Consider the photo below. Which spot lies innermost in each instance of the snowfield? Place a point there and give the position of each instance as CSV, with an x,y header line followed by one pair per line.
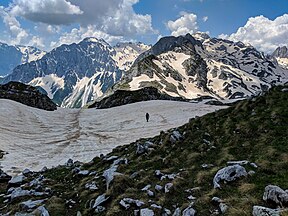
x,y
36,138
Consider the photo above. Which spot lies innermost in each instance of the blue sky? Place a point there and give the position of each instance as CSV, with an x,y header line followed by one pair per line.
x,y
49,23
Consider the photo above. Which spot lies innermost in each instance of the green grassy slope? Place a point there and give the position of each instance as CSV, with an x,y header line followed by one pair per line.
x,y
255,130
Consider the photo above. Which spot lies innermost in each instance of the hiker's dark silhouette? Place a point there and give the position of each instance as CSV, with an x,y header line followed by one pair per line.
x,y
147,117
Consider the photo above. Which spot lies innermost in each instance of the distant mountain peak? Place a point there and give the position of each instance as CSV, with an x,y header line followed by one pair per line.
x,y
281,52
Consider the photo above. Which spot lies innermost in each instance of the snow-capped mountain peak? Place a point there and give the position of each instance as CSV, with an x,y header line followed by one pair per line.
x,y
14,55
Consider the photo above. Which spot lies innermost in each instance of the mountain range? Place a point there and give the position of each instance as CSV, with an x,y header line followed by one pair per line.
x,y
12,56
189,66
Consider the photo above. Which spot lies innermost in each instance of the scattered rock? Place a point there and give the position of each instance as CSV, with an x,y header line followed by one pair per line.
x,y
146,187
99,200
83,173
91,186
146,212
150,193
69,163
17,180
263,211
163,176
138,203
167,187
158,188
223,208
30,204
156,206
189,211
124,204
230,173
4,177
177,212
276,195
44,169
143,148
26,172
100,209
175,136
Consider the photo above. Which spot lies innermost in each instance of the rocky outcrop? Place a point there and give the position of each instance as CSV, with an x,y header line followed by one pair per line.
x,y
281,52
276,195
27,95
122,97
228,174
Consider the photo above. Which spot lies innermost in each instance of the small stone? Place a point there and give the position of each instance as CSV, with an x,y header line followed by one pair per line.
x,y
146,187
189,212
158,188
124,204
83,173
17,180
69,163
26,172
223,208
146,212
167,187
150,193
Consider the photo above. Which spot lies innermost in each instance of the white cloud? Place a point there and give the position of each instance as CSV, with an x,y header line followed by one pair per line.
x,y
17,34
46,11
76,35
109,19
263,33
205,18
187,23
37,42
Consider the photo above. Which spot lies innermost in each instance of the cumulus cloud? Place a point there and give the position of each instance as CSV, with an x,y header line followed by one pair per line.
x,y
109,19
263,33
17,34
37,41
76,35
187,23
46,11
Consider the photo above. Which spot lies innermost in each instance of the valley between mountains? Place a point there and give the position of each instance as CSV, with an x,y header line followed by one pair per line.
x,y
36,138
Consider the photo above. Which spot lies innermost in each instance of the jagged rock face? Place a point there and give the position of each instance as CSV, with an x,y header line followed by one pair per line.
x,y
197,66
27,95
122,97
72,74
281,56
281,52
12,56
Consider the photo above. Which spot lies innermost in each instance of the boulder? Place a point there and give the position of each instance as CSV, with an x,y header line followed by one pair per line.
x,y
263,211
4,177
91,186
146,212
27,172
99,200
30,204
177,212
189,211
143,148
228,174
167,187
276,195
83,173
17,180
175,136
138,203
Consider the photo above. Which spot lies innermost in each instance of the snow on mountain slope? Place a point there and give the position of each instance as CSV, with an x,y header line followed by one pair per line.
x,y
50,83
281,56
35,138
126,53
12,56
87,69
202,66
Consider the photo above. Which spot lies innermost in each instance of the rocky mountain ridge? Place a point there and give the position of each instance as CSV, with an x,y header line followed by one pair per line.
x,y
12,56
188,67
27,95
72,75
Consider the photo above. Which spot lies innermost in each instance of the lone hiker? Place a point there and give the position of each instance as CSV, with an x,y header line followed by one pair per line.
x,y
147,117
